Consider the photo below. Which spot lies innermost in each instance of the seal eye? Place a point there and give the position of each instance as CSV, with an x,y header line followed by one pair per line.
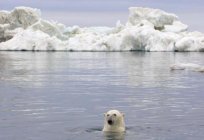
x,y
108,114
114,115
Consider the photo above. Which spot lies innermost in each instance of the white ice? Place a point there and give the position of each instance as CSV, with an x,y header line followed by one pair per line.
x,y
146,30
187,66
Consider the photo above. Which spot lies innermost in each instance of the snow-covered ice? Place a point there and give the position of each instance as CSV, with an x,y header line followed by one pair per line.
x,y
146,30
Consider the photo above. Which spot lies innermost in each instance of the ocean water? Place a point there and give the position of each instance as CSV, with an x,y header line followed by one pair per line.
x,y
63,95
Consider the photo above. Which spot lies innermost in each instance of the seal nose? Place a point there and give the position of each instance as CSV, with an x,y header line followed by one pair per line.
x,y
110,122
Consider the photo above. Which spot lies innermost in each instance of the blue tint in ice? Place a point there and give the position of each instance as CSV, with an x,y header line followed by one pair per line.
x,y
146,30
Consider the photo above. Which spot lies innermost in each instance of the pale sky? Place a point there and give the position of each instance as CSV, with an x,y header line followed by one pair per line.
x,y
107,12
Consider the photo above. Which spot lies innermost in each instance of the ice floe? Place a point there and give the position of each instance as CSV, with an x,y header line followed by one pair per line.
x,y
146,30
187,66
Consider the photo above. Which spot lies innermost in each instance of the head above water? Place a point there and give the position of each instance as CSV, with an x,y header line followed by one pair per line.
x,y
114,121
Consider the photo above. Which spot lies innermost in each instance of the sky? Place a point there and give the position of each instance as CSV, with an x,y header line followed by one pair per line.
x,y
108,12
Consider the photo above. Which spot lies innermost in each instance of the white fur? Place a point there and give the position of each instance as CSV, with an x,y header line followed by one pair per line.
x,y
117,118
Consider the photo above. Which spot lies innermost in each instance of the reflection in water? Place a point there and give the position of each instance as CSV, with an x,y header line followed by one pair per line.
x,y
114,136
136,69
58,95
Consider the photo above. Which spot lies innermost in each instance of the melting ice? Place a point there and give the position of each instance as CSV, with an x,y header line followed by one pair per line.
x,y
146,30
187,66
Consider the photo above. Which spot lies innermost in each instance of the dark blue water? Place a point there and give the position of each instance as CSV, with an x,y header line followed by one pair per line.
x,y
63,95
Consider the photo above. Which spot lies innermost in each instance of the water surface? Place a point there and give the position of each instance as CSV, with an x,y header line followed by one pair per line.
x,y
63,95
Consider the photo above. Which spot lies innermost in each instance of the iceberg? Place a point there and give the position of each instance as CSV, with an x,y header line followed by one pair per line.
x,y
147,29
